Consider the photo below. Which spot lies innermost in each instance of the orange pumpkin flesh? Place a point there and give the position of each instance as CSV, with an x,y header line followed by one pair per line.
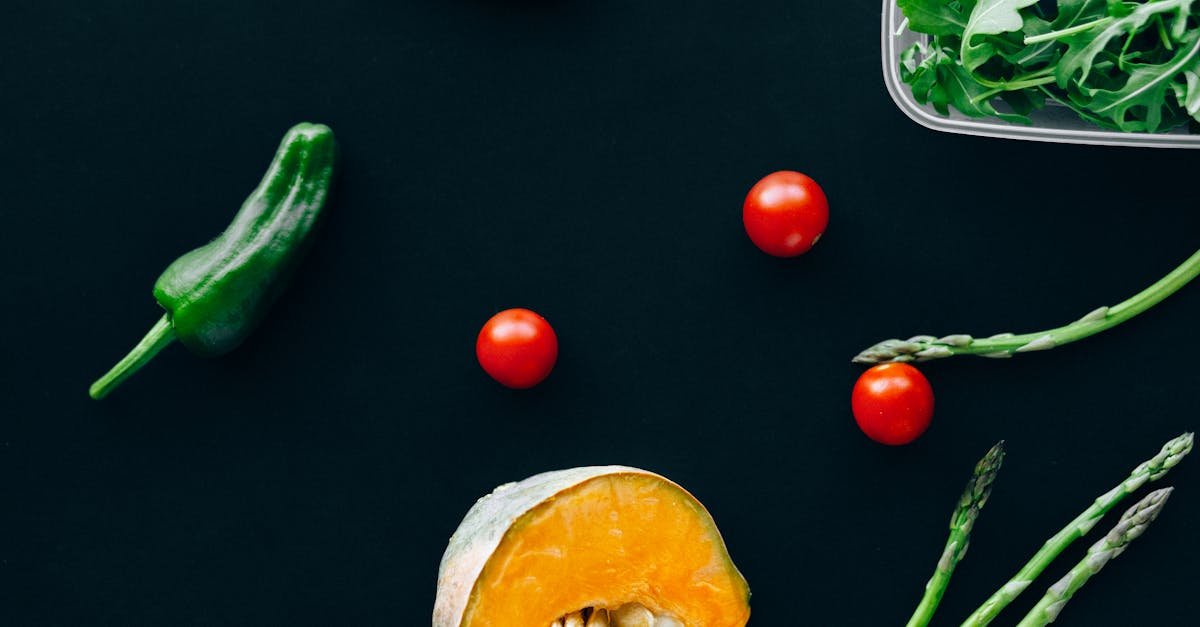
x,y
588,538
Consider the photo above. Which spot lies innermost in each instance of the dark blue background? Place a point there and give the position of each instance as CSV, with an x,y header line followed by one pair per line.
x,y
586,159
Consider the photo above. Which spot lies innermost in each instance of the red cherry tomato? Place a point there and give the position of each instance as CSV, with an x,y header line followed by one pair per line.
x,y
518,348
893,403
785,214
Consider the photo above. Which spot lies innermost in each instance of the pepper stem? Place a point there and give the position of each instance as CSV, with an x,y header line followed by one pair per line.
x,y
160,335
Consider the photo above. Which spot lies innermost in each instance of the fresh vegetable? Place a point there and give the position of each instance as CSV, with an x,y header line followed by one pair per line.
x,y
926,347
1132,525
973,498
585,546
1125,65
628,615
517,347
215,295
785,214
892,403
1153,469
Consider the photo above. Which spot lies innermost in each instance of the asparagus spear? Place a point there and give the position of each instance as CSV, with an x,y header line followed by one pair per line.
x,y
1150,470
1132,524
926,347
961,522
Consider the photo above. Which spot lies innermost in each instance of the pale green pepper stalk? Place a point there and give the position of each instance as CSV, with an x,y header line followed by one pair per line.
x,y
973,498
1132,525
1151,470
926,347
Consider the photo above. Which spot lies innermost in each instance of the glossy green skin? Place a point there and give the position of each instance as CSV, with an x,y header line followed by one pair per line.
x,y
216,295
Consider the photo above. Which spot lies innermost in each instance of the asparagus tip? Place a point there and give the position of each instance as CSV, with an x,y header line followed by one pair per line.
x,y
1136,519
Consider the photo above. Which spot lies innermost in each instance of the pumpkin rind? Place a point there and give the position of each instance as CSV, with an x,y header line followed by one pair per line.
x,y
494,517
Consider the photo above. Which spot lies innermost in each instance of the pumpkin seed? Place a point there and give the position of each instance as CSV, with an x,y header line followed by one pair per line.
x,y
633,615
628,615
599,618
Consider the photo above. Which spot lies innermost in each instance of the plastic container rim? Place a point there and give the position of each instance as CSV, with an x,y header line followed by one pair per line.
x,y
923,115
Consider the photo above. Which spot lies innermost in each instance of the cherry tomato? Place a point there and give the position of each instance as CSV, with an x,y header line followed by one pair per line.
x,y
517,347
785,214
893,403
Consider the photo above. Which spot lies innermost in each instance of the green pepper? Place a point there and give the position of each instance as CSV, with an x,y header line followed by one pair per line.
x,y
215,295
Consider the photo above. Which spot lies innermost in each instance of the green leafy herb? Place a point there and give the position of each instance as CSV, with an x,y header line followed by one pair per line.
x,y
1084,46
937,17
1126,65
990,17
938,79
1146,89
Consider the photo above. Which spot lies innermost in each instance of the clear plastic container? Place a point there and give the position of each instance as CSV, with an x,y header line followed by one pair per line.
x,y
1055,123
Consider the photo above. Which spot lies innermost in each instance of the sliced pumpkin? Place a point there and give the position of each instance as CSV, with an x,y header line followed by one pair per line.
x,y
601,545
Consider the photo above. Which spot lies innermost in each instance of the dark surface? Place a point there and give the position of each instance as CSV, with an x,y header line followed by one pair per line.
x,y
587,160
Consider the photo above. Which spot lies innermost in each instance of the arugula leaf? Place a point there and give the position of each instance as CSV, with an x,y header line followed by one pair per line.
x,y
919,68
1071,13
1179,28
990,17
1024,101
1070,104
937,17
1031,54
1188,93
937,78
1085,46
1120,8
1138,106
1131,65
